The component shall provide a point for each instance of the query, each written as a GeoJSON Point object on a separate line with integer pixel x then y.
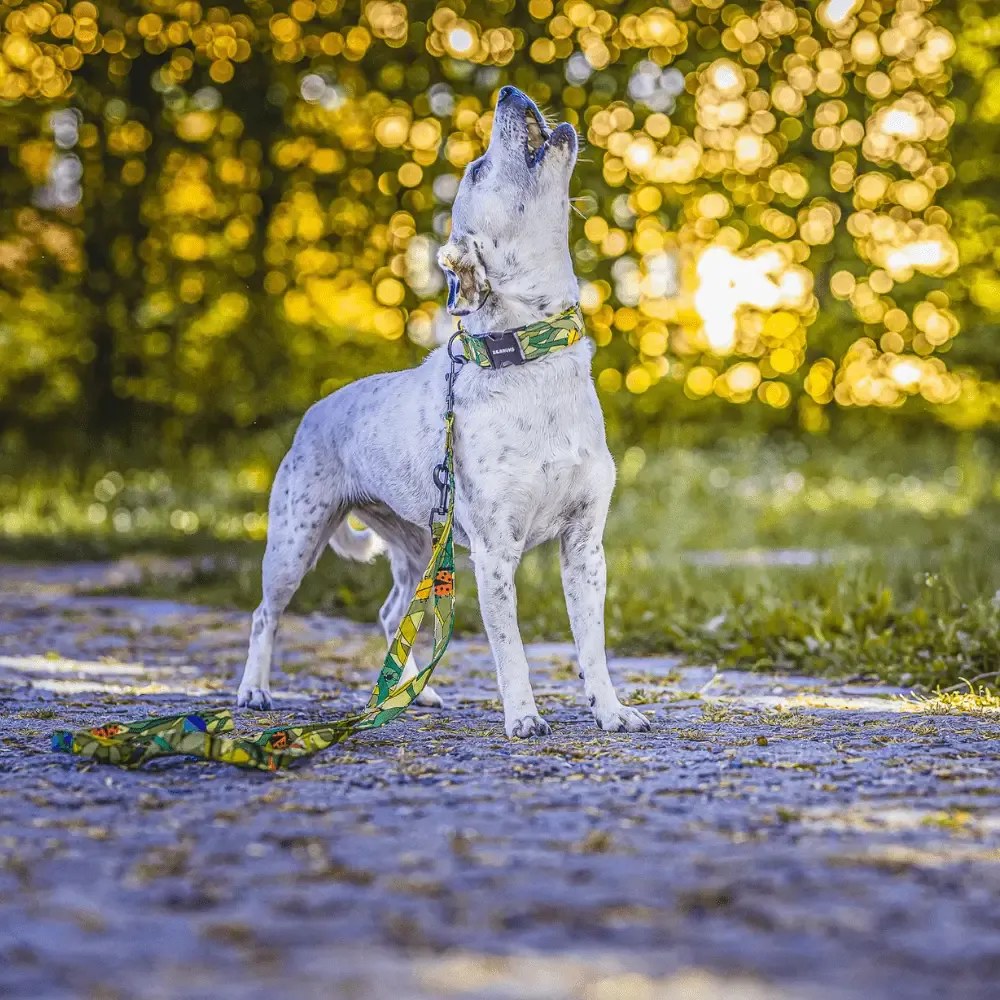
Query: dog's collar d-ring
{"type": "Point", "coordinates": [523, 343]}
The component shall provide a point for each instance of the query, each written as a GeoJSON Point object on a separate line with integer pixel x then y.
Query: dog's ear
{"type": "Point", "coordinates": [468, 286]}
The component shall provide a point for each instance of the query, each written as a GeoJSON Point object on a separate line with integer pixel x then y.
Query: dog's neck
{"type": "Point", "coordinates": [530, 295]}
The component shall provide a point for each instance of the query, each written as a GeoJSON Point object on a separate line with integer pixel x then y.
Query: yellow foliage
{"type": "Point", "coordinates": [764, 184]}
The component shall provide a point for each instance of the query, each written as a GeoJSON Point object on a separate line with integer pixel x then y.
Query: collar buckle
{"type": "Point", "coordinates": [504, 349]}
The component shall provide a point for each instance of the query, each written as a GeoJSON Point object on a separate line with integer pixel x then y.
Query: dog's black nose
{"type": "Point", "coordinates": [506, 93]}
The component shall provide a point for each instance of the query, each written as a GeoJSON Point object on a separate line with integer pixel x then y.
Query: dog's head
{"type": "Point", "coordinates": [509, 223]}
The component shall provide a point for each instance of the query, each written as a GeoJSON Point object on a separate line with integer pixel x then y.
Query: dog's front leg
{"type": "Point", "coordinates": [584, 583]}
{"type": "Point", "coordinates": [498, 604]}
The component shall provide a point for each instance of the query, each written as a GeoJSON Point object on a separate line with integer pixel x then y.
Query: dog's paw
{"type": "Point", "coordinates": [526, 727]}
{"type": "Point", "coordinates": [429, 698]}
{"type": "Point", "coordinates": [621, 719]}
{"type": "Point", "coordinates": [258, 698]}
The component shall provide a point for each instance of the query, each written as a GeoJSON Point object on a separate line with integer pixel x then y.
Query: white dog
{"type": "Point", "coordinates": [531, 460]}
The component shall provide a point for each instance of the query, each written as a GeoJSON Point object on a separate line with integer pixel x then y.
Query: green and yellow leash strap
{"type": "Point", "coordinates": [527, 343]}
{"type": "Point", "coordinates": [208, 735]}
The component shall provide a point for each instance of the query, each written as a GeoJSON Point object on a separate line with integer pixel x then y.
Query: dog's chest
{"type": "Point", "coordinates": [530, 448]}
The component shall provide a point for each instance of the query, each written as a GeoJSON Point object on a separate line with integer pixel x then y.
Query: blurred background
{"type": "Point", "coordinates": [787, 244]}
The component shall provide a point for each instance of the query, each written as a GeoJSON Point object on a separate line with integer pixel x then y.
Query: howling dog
{"type": "Point", "coordinates": [531, 457]}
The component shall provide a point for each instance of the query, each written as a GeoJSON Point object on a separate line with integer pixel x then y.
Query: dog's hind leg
{"type": "Point", "coordinates": [409, 549]}
{"type": "Point", "coordinates": [302, 516]}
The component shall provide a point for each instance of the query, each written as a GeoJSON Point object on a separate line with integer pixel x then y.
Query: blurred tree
{"type": "Point", "coordinates": [211, 215]}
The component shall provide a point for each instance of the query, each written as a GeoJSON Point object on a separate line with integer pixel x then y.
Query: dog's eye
{"type": "Point", "coordinates": [477, 169]}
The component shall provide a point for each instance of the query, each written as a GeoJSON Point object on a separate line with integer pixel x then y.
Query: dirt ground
{"type": "Point", "coordinates": [772, 837]}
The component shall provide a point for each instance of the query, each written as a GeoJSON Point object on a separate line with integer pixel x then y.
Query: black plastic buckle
{"type": "Point", "coordinates": [504, 349]}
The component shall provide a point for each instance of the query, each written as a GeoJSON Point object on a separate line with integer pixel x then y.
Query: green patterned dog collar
{"type": "Point", "coordinates": [526, 343]}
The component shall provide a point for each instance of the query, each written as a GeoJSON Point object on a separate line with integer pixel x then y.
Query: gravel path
{"type": "Point", "coordinates": [771, 838]}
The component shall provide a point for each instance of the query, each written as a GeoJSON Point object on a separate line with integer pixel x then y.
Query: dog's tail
{"type": "Point", "coordinates": [360, 545]}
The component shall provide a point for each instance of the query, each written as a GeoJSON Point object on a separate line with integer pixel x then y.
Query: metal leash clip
{"type": "Point", "coordinates": [443, 470]}
{"type": "Point", "coordinates": [441, 481]}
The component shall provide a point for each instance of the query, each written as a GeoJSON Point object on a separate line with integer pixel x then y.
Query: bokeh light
{"type": "Point", "coordinates": [220, 213]}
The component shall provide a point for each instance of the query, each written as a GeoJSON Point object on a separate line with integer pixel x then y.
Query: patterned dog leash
{"type": "Point", "coordinates": [208, 735]}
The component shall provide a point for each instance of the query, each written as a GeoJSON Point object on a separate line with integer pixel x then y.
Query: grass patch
{"type": "Point", "coordinates": [876, 559]}
{"type": "Point", "coordinates": [981, 701]}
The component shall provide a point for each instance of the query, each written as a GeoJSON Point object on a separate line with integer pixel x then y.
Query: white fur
{"type": "Point", "coordinates": [531, 460]}
{"type": "Point", "coordinates": [361, 546]}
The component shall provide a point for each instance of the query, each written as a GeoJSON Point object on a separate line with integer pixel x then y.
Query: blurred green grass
{"type": "Point", "coordinates": [875, 557]}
